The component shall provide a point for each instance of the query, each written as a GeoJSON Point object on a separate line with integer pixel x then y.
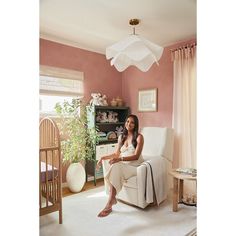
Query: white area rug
{"type": "Point", "coordinates": [80, 218]}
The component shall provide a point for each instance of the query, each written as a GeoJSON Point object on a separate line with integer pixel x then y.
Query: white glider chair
{"type": "Point", "coordinates": [158, 146]}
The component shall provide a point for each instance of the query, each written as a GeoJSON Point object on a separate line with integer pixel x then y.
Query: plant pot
{"type": "Point", "coordinates": [75, 177]}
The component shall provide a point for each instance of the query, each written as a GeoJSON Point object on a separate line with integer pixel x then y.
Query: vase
{"type": "Point", "coordinates": [75, 177]}
{"type": "Point", "coordinates": [113, 103]}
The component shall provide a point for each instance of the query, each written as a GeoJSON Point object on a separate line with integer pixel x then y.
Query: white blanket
{"type": "Point", "coordinates": [158, 182]}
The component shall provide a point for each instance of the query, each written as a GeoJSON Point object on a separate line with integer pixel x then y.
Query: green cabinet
{"type": "Point", "coordinates": [109, 122]}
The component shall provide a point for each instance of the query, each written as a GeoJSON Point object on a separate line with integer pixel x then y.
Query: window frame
{"type": "Point", "coordinates": [62, 73]}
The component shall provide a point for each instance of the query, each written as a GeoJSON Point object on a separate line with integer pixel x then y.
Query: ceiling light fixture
{"type": "Point", "coordinates": [134, 50]}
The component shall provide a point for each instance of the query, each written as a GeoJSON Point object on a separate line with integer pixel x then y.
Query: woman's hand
{"type": "Point", "coordinates": [114, 160]}
{"type": "Point", "coordinates": [99, 164]}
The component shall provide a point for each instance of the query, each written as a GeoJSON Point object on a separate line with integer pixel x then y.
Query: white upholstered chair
{"type": "Point", "coordinates": [158, 144]}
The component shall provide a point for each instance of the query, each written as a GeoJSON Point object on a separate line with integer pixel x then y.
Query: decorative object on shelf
{"type": "Point", "coordinates": [98, 116]}
{"type": "Point", "coordinates": [98, 100]}
{"type": "Point", "coordinates": [134, 50]}
{"type": "Point", "coordinates": [112, 117]}
{"type": "Point", "coordinates": [111, 135]}
{"type": "Point", "coordinates": [115, 117]}
{"type": "Point", "coordinates": [78, 141]}
{"type": "Point", "coordinates": [102, 136]}
{"type": "Point", "coordinates": [119, 102]}
{"type": "Point", "coordinates": [95, 99]}
{"type": "Point", "coordinates": [147, 100]}
{"type": "Point", "coordinates": [119, 130]}
{"type": "Point", "coordinates": [104, 118]}
{"type": "Point", "coordinates": [103, 100]}
{"type": "Point", "coordinates": [113, 102]}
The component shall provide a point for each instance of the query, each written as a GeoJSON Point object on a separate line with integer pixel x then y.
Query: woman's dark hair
{"type": "Point", "coordinates": [135, 131]}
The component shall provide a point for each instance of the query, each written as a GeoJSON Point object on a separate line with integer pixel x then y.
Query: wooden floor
{"type": "Point", "coordinates": [89, 185]}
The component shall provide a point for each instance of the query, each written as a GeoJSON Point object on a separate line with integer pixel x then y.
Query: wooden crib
{"type": "Point", "coordinates": [50, 194]}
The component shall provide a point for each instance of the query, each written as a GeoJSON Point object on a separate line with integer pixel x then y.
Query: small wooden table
{"type": "Point", "coordinates": [178, 180]}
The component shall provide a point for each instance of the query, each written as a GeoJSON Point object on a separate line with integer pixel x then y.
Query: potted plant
{"type": "Point", "coordinates": [77, 141]}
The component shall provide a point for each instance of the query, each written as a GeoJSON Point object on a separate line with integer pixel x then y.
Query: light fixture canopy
{"type": "Point", "coordinates": [134, 50]}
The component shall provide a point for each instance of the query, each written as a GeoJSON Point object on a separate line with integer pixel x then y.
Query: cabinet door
{"type": "Point", "coordinates": [101, 150]}
{"type": "Point", "coordinates": [111, 148]}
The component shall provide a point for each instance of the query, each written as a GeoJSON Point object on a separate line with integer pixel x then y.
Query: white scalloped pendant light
{"type": "Point", "coordinates": [134, 50]}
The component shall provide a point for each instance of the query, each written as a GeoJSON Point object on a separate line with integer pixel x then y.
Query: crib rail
{"type": "Point", "coordinates": [50, 195]}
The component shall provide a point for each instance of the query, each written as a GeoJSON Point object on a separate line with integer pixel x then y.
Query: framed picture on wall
{"type": "Point", "coordinates": [147, 100]}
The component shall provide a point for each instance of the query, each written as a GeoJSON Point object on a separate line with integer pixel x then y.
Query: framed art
{"type": "Point", "coordinates": [147, 100]}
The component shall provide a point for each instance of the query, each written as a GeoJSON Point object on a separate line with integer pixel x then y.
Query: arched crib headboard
{"type": "Point", "coordinates": [50, 168]}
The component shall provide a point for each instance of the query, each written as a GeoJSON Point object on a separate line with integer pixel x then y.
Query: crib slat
{"type": "Point", "coordinates": [53, 178]}
{"type": "Point", "coordinates": [46, 178]}
{"type": "Point", "coordinates": [40, 199]}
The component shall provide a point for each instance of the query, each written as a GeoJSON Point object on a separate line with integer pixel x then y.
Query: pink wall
{"type": "Point", "coordinates": [160, 77]}
{"type": "Point", "coordinates": [99, 76]}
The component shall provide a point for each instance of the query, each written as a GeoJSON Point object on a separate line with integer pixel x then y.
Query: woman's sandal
{"type": "Point", "coordinates": [105, 212]}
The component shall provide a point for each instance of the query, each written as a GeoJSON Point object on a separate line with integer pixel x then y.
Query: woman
{"type": "Point", "coordinates": [123, 163]}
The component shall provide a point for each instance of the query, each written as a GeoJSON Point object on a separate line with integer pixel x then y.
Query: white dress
{"type": "Point", "coordinates": [117, 173]}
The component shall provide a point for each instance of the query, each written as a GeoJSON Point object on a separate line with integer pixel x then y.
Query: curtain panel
{"type": "Point", "coordinates": [184, 108]}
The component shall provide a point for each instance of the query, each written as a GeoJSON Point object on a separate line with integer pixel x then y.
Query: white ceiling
{"type": "Point", "coordinates": [96, 24]}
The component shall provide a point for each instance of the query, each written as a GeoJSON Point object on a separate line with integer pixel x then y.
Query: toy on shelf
{"type": "Point", "coordinates": [103, 117]}
{"type": "Point", "coordinates": [103, 100]}
{"type": "Point", "coordinates": [112, 117]}
{"type": "Point", "coordinates": [119, 130]}
{"type": "Point", "coordinates": [98, 100]}
{"type": "Point", "coordinates": [99, 116]}
{"type": "Point", "coordinates": [95, 99]}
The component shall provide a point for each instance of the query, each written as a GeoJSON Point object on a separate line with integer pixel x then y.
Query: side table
{"type": "Point", "coordinates": [178, 180]}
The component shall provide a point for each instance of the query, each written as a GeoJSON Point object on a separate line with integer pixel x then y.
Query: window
{"type": "Point", "coordinates": [58, 85]}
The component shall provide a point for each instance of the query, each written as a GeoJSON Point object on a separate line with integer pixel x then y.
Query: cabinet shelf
{"type": "Point", "coordinates": [107, 141]}
{"type": "Point", "coordinates": [110, 108]}
{"type": "Point", "coordinates": [110, 123]}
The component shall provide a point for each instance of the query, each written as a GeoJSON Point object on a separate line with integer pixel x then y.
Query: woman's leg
{"type": "Point", "coordinates": [111, 201]}
{"type": "Point", "coordinates": [114, 174]}
{"type": "Point", "coordinates": [114, 178]}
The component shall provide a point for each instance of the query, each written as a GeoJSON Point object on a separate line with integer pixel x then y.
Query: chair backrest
{"type": "Point", "coordinates": [158, 142]}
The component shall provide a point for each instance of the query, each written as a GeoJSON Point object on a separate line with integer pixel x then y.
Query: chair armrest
{"type": "Point", "coordinates": [141, 182]}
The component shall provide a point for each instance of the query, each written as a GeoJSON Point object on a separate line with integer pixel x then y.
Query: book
{"type": "Point", "coordinates": [189, 171]}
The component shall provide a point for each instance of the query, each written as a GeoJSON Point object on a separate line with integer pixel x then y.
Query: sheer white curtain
{"type": "Point", "coordinates": [184, 108]}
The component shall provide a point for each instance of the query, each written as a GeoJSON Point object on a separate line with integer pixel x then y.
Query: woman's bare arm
{"type": "Point", "coordinates": [137, 153]}
{"type": "Point", "coordinates": [114, 155]}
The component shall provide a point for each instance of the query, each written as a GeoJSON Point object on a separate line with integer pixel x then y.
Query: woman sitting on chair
{"type": "Point", "coordinates": [123, 163]}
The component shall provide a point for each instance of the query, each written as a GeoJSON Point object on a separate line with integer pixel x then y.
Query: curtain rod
{"type": "Point", "coordinates": [184, 47]}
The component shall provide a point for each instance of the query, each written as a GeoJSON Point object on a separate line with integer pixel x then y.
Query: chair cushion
{"type": "Point", "coordinates": [131, 182]}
